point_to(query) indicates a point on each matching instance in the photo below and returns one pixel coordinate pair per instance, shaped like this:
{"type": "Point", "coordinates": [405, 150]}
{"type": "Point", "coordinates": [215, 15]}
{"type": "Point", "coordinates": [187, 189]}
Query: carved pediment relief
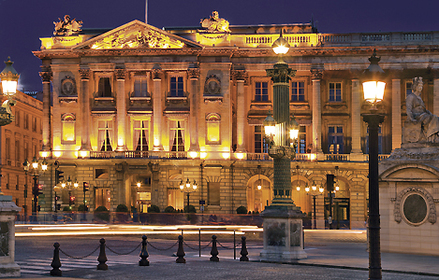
{"type": "Point", "coordinates": [136, 34]}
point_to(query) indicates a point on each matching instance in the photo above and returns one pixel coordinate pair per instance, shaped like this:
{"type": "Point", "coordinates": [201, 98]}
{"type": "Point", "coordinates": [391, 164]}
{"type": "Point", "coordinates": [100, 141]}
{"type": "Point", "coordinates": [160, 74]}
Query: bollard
{"type": "Point", "coordinates": [144, 253]}
{"type": "Point", "coordinates": [244, 252]}
{"type": "Point", "coordinates": [102, 258]}
{"type": "Point", "coordinates": [214, 251]}
{"type": "Point", "coordinates": [56, 263]}
{"type": "Point", "coordinates": [180, 251]}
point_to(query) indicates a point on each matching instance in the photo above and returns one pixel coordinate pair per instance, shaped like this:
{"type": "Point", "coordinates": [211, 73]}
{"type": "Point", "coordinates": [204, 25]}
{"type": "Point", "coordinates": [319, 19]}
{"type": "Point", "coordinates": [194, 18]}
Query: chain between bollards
{"type": "Point", "coordinates": [180, 251]}
{"type": "Point", "coordinates": [214, 251]}
{"type": "Point", "coordinates": [56, 262]}
{"type": "Point", "coordinates": [144, 253]}
{"type": "Point", "coordinates": [102, 258]}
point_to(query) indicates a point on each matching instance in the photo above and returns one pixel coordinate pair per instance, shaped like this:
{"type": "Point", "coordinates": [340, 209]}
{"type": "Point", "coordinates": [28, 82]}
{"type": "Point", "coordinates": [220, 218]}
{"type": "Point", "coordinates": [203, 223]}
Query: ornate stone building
{"type": "Point", "coordinates": [159, 106]}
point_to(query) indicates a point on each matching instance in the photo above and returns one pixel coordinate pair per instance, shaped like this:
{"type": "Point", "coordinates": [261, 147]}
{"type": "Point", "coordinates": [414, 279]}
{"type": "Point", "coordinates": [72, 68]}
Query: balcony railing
{"type": "Point", "coordinates": [217, 155]}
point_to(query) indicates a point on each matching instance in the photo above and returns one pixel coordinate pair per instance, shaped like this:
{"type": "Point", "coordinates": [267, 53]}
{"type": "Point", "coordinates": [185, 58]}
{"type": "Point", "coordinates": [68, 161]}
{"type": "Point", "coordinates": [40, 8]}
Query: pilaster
{"type": "Point", "coordinates": [85, 112]}
{"type": "Point", "coordinates": [194, 78]}
{"type": "Point", "coordinates": [240, 76]}
{"type": "Point", "coordinates": [157, 109]}
{"type": "Point", "coordinates": [396, 114]}
{"type": "Point", "coordinates": [356, 121]}
{"type": "Point", "coordinates": [121, 109]}
{"type": "Point", "coordinates": [46, 76]}
{"type": "Point", "coordinates": [317, 113]}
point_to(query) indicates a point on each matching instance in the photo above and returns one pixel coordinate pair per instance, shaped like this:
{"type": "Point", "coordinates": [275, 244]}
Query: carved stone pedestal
{"type": "Point", "coordinates": [409, 197]}
{"type": "Point", "coordinates": [283, 234]}
{"type": "Point", "coordinates": [8, 210]}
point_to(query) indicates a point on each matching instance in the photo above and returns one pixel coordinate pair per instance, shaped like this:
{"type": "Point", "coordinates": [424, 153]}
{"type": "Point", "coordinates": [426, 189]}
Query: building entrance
{"type": "Point", "coordinates": [340, 213]}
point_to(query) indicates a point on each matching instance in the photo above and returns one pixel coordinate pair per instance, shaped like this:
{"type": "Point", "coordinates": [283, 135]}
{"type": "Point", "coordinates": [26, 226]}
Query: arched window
{"type": "Point", "coordinates": [68, 127]}
{"type": "Point", "coordinates": [213, 121]}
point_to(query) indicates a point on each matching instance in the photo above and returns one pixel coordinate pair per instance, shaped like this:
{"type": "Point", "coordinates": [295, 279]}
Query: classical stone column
{"type": "Point", "coordinates": [194, 77]}
{"type": "Point", "coordinates": [436, 97]}
{"type": "Point", "coordinates": [121, 109]}
{"type": "Point", "coordinates": [396, 114]}
{"type": "Point", "coordinates": [241, 77]}
{"type": "Point", "coordinates": [84, 101]}
{"type": "Point", "coordinates": [46, 76]}
{"type": "Point", "coordinates": [356, 119]}
{"type": "Point", "coordinates": [317, 113]}
{"type": "Point", "coordinates": [157, 109]}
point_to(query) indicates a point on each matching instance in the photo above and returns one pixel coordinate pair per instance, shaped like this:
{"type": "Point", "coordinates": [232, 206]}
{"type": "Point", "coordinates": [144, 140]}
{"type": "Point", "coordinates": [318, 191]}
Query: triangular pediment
{"type": "Point", "coordinates": [137, 34]}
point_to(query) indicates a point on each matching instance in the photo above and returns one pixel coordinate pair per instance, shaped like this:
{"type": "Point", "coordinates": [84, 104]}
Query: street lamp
{"type": "Point", "coordinates": [282, 148]}
{"type": "Point", "coordinates": [188, 188]}
{"type": "Point", "coordinates": [69, 183]}
{"type": "Point", "coordinates": [9, 78]}
{"type": "Point", "coordinates": [34, 168]}
{"type": "Point", "coordinates": [313, 191]}
{"type": "Point", "coordinates": [373, 88]}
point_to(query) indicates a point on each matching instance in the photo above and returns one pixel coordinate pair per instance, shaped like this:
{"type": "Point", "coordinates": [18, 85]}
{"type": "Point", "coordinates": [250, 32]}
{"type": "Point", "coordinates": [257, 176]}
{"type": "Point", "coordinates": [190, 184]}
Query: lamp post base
{"type": "Point", "coordinates": [283, 234]}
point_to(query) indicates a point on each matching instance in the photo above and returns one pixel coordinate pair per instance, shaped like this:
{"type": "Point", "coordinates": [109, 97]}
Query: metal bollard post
{"type": "Point", "coordinates": [144, 253]}
{"type": "Point", "coordinates": [102, 258]}
{"type": "Point", "coordinates": [56, 263]}
{"type": "Point", "coordinates": [180, 251]}
{"type": "Point", "coordinates": [244, 251]}
{"type": "Point", "coordinates": [214, 251]}
{"type": "Point", "coordinates": [199, 243]}
{"type": "Point", "coordinates": [234, 244]}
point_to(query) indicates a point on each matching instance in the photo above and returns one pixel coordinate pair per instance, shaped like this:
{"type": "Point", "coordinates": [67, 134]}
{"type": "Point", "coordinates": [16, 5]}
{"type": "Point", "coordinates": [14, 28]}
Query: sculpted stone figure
{"type": "Point", "coordinates": [67, 26]}
{"type": "Point", "coordinates": [421, 125]}
{"type": "Point", "coordinates": [215, 24]}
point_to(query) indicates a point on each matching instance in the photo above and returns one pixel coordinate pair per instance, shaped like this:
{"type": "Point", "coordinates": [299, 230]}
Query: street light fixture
{"type": "Point", "coordinates": [69, 183]}
{"type": "Point", "coordinates": [188, 188]}
{"type": "Point", "coordinates": [314, 192]}
{"type": "Point", "coordinates": [34, 168]}
{"type": "Point", "coordinates": [373, 88]}
{"type": "Point", "coordinates": [282, 148]}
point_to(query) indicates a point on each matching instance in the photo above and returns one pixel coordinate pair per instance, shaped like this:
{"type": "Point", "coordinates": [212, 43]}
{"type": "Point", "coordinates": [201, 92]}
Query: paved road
{"type": "Point", "coordinates": [324, 261]}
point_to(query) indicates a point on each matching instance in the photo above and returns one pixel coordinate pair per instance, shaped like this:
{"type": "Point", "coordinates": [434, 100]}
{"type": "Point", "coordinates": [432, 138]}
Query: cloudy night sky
{"type": "Point", "coordinates": [23, 22]}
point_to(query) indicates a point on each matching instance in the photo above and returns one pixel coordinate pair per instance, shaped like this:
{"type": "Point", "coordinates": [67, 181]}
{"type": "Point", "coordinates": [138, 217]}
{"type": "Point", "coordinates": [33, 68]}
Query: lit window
{"type": "Point", "coordinates": [177, 137]}
{"type": "Point", "coordinates": [176, 87]}
{"type": "Point", "coordinates": [261, 91]}
{"type": "Point", "coordinates": [104, 87]}
{"type": "Point", "coordinates": [335, 139]}
{"type": "Point", "coordinates": [68, 127]}
{"type": "Point", "coordinates": [105, 132]}
{"type": "Point", "coordinates": [213, 128]}
{"type": "Point", "coordinates": [140, 87]}
{"type": "Point", "coordinates": [141, 135]}
{"type": "Point", "coordinates": [335, 92]}
{"type": "Point", "coordinates": [297, 91]}
{"type": "Point", "coordinates": [301, 147]}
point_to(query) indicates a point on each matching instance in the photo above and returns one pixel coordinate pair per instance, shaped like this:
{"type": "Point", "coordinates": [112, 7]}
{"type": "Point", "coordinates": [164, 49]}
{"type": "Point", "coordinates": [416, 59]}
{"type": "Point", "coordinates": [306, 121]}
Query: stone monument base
{"type": "Point", "coordinates": [283, 234]}
{"type": "Point", "coordinates": [8, 210]}
{"type": "Point", "coordinates": [409, 197]}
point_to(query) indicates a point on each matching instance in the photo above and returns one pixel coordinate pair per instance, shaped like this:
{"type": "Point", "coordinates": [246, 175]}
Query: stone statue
{"type": "Point", "coordinates": [421, 125]}
{"type": "Point", "coordinates": [215, 24]}
{"type": "Point", "coordinates": [67, 26]}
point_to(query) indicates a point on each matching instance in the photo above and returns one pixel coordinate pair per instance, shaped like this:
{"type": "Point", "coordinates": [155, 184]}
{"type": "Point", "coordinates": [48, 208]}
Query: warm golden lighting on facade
{"type": "Point", "coordinates": [57, 154]}
{"type": "Point", "coordinates": [193, 154]}
{"type": "Point", "coordinates": [83, 153]}
{"type": "Point", "coordinates": [44, 154]}
{"type": "Point", "coordinates": [226, 155]}
{"type": "Point", "coordinates": [240, 155]}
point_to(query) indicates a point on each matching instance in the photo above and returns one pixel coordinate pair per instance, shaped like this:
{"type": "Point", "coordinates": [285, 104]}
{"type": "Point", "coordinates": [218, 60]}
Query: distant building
{"type": "Point", "coordinates": [21, 140]}
{"type": "Point", "coordinates": [159, 106]}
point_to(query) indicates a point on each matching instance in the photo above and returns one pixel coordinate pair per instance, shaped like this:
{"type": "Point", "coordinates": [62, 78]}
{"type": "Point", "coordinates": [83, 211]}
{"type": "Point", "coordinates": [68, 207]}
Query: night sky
{"type": "Point", "coordinates": [23, 22]}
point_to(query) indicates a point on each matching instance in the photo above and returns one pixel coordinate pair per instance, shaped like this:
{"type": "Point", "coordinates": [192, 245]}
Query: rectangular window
{"type": "Point", "coordinates": [140, 141]}
{"type": "Point", "coordinates": [17, 153]}
{"type": "Point", "coordinates": [301, 147]}
{"type": "Point", "coordinates": [26, 150]}
{"type": "Point", "coordinates": [17, 118]}
{"type": "Point", "coordinates": [213, 128]}
{"type": "Point", "coordinates": [297, 91]}
{"type": "Point", "coordinates": [213, 189]}
{"type": "Point", "coordinates": [335, 92]}
{"type": "Point", "coordinates": [105, 132]}
{"type": "Point", "coordinates": [140, 87]}
{"type": "Point", "coordinates": [26, 121]}
{"type": "Point", "coordinates": [408, 88]}
{"type": "Point", "coordinates": [68, 127]}
{"type": "Point", "coordinates": [34, 124]}
{"type": "Point", "coordinates": [176, 199]}
{"type": "Point", "coordinates": [335, 140]}
{"type": "Point", "coordinates": [260, 145]}
{"type": "Point", "coordinates": [7, 180]}
{"type": "Point", "coordinates": [177, 137]}
{"type": "Point", "coordinates": [176, 86]}
{"type": "Point", "coordinates": [18, 182]}
{"type": "Point", "coordinates": [8, 151]}
{"type": "Point", "coordinates": [380, 141]}
{"type": "Point", "coordinates": [102, 197]}
{"type": "Point", "coordinates": [104, 87]}
{"type": "Point", "coordinates": [261, 91]}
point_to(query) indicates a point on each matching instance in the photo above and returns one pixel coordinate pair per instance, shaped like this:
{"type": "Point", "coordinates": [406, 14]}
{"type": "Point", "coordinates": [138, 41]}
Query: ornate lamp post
{"type": "Point", "coordinates": [373, 88]}
{"type": "Point", "coordinates": [34, 168]}
{"type": "Point", "coordinates": [69, 185]}
{"type": "Point", "coordinates": [314, 192]}
{"type": "Point", "coordinates": [188, 188]}
{"type": "Point", "coordinates": [9, 78]}
{"type": "Point", "coordinates": [282, 219]}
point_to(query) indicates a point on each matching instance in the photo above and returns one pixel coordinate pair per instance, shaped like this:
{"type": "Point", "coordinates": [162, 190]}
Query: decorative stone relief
{"type": "Point", "coordinates": [68, 86]}
{"type": "Point", "coordinates": [67, 26]}
{"type": "Point", "coordinates": [276, 234]}
{"type": "Point", "coordinates": [215, 24]}
{"type": "Point", "coordinates": [84, 73]}
{"type": "Point", "coordinates": [401, 200]}
{"type": "Point", "coordinates": [212, 86]}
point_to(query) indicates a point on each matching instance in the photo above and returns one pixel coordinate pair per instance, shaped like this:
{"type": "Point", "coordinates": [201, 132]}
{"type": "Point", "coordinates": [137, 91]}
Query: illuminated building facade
{"type": "Point", "coordinates": [21, 140]}
{"type": "Point", "coordinates": [159, 106]}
